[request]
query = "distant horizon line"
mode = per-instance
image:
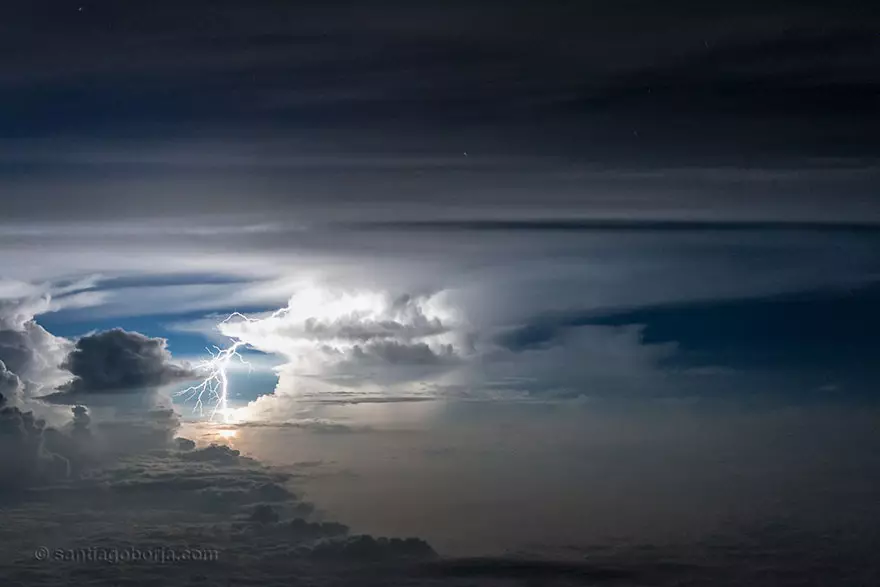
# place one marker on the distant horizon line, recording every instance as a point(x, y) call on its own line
point(588, 225)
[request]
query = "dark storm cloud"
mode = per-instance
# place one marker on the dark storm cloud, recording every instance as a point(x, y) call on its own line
point(33, 454)
point(211, 495)
point(24, 459)
point(117, 361)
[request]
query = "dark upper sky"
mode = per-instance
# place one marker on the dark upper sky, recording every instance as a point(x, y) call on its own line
point(745, 110)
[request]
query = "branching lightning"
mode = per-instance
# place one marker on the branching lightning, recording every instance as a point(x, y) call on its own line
point(214, 388)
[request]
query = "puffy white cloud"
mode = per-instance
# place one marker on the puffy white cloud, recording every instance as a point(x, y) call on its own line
point(29, 351)
point(337, 338)
point(35, 355)
point(342, 319)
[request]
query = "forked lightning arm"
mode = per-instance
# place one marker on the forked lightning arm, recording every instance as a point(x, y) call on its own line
point(214, 388)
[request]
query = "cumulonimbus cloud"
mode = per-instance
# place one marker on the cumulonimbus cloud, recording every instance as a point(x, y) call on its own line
point(118, 361)
point(331, 334)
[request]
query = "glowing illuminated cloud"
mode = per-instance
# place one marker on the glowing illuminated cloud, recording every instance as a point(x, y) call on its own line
point(317, 318)
point(310, 303)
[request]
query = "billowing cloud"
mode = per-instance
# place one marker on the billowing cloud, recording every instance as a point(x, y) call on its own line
point(32, 453)
point(343, 319)
point(16, 313)
point(119, 362)
point(394, 353)
point(340, 338)
point(10, 384)
point(24, 459)
point(35, 356)
point(386, 363)
point(27, 349)
point(401, 318)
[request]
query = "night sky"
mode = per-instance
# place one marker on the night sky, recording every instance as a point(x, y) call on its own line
point(572, 292)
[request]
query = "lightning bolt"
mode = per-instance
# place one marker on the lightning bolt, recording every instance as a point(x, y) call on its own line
point(214, 388)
